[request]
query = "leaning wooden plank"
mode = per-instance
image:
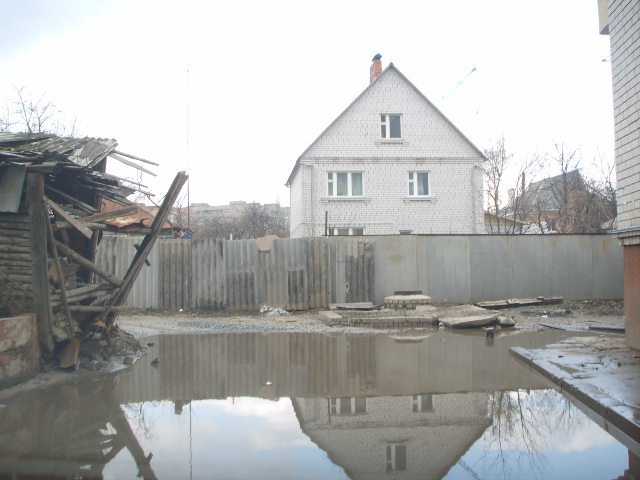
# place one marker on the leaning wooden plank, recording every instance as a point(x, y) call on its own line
point(72, 295)
point(136, 158)
point(117, 157)
point(94, 308)
point(78, 225)
point(92, 226)
point(469, 322)
point(71, 199)
point(83, 262)
point(101, 217)
point(145, 248)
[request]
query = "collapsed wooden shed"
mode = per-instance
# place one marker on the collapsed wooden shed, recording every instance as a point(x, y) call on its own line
point(53, 196)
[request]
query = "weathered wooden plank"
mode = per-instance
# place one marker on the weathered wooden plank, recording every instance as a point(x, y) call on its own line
point(117, 157)
point(136, 158)
point(16, 277)
point(12, 219)
point(40, 278)
point(145, 247)
point(11, 249)
point(83, 262)
point(79, 226)
point(100, 217)
point(63, 290)
point(71, 199)
point(14, 241)
point(15, 257)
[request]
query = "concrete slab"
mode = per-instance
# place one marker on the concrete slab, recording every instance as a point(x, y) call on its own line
point(601, 375)
point(469, 322)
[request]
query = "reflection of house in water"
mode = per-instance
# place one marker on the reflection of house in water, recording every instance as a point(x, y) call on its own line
point(411, 436)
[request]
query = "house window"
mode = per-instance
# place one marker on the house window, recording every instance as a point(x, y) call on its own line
point(390, 126)
point(348, 405)
point(344, 184)
point(419, 184)
point(344, 231)
point(396, 457)
point(422, 403)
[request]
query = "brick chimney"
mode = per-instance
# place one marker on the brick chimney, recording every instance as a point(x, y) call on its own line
point(376, 68)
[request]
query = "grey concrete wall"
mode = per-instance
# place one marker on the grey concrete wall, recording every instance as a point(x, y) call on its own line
point(470, 268)
point(313, 272)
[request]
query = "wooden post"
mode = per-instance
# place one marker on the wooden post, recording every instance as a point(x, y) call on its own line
point(63, 289)
point(40, 272)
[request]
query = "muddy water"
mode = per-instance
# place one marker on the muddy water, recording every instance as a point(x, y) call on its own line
point(297, 406)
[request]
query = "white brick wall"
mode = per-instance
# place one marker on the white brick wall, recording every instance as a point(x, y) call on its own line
point(624, 28)
point(353, 143)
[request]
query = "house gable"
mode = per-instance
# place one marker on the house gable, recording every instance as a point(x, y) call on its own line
point(356, 133)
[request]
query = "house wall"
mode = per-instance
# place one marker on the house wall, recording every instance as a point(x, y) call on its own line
point(353, 143)
point(624, 34)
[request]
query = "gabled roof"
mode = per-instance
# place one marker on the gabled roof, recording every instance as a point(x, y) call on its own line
point(391, 66)
point(544, 193)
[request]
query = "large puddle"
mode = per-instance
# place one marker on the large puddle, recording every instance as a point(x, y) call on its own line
point(310, 406)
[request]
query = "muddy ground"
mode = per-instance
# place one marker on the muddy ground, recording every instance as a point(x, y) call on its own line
point(102, 357)
point(571, 315)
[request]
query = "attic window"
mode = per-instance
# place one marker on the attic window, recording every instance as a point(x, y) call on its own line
point(390, 126)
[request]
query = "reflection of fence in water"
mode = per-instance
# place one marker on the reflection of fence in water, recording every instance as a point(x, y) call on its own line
point(311, 365)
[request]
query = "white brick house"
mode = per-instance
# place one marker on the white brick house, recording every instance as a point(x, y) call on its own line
point(391, 163)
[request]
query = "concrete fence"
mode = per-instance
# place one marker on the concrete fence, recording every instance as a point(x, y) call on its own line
point(211, 274)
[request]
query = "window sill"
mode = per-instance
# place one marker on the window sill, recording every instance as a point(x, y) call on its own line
point(419, 199)
point(391, 141)
point(345, 199)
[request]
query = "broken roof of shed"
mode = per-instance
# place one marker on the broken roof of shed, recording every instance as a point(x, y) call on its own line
point(73, 166)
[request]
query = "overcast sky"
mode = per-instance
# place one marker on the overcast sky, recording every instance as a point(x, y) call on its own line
point(266, 77)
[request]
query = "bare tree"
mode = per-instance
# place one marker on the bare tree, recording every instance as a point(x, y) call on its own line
point(494, 171)
point(29, 114)
point(254, 221)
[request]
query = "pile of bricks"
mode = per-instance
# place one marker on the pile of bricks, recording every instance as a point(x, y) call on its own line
point(406, 302)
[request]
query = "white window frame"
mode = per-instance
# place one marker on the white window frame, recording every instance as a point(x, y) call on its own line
point(385, 121)
point(348, 406)
point(335, 231)
point(332, 184)
point(412, 181)
point(394, 452)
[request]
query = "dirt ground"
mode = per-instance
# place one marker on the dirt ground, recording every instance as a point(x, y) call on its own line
point(101, 357)
point(570, 315)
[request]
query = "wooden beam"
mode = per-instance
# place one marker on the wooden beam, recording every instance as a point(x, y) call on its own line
point(94, 308)
point(100, 217)
point(83, 262)
point(78, 225)
point(38, 257)
point(71, 199)
point(63, 289)
point(117, 157)
point(136, 158)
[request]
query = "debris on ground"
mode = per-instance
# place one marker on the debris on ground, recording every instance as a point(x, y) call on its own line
point(354, 306)
point(407, 302)
point(269, 310)
point(518, 302)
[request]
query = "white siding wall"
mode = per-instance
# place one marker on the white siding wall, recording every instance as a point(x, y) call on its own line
point(624, 27)
point(353, 143)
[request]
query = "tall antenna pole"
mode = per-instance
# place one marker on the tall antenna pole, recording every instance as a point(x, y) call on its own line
point(188, 154)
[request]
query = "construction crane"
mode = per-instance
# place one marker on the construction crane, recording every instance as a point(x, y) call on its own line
point(460, 82)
